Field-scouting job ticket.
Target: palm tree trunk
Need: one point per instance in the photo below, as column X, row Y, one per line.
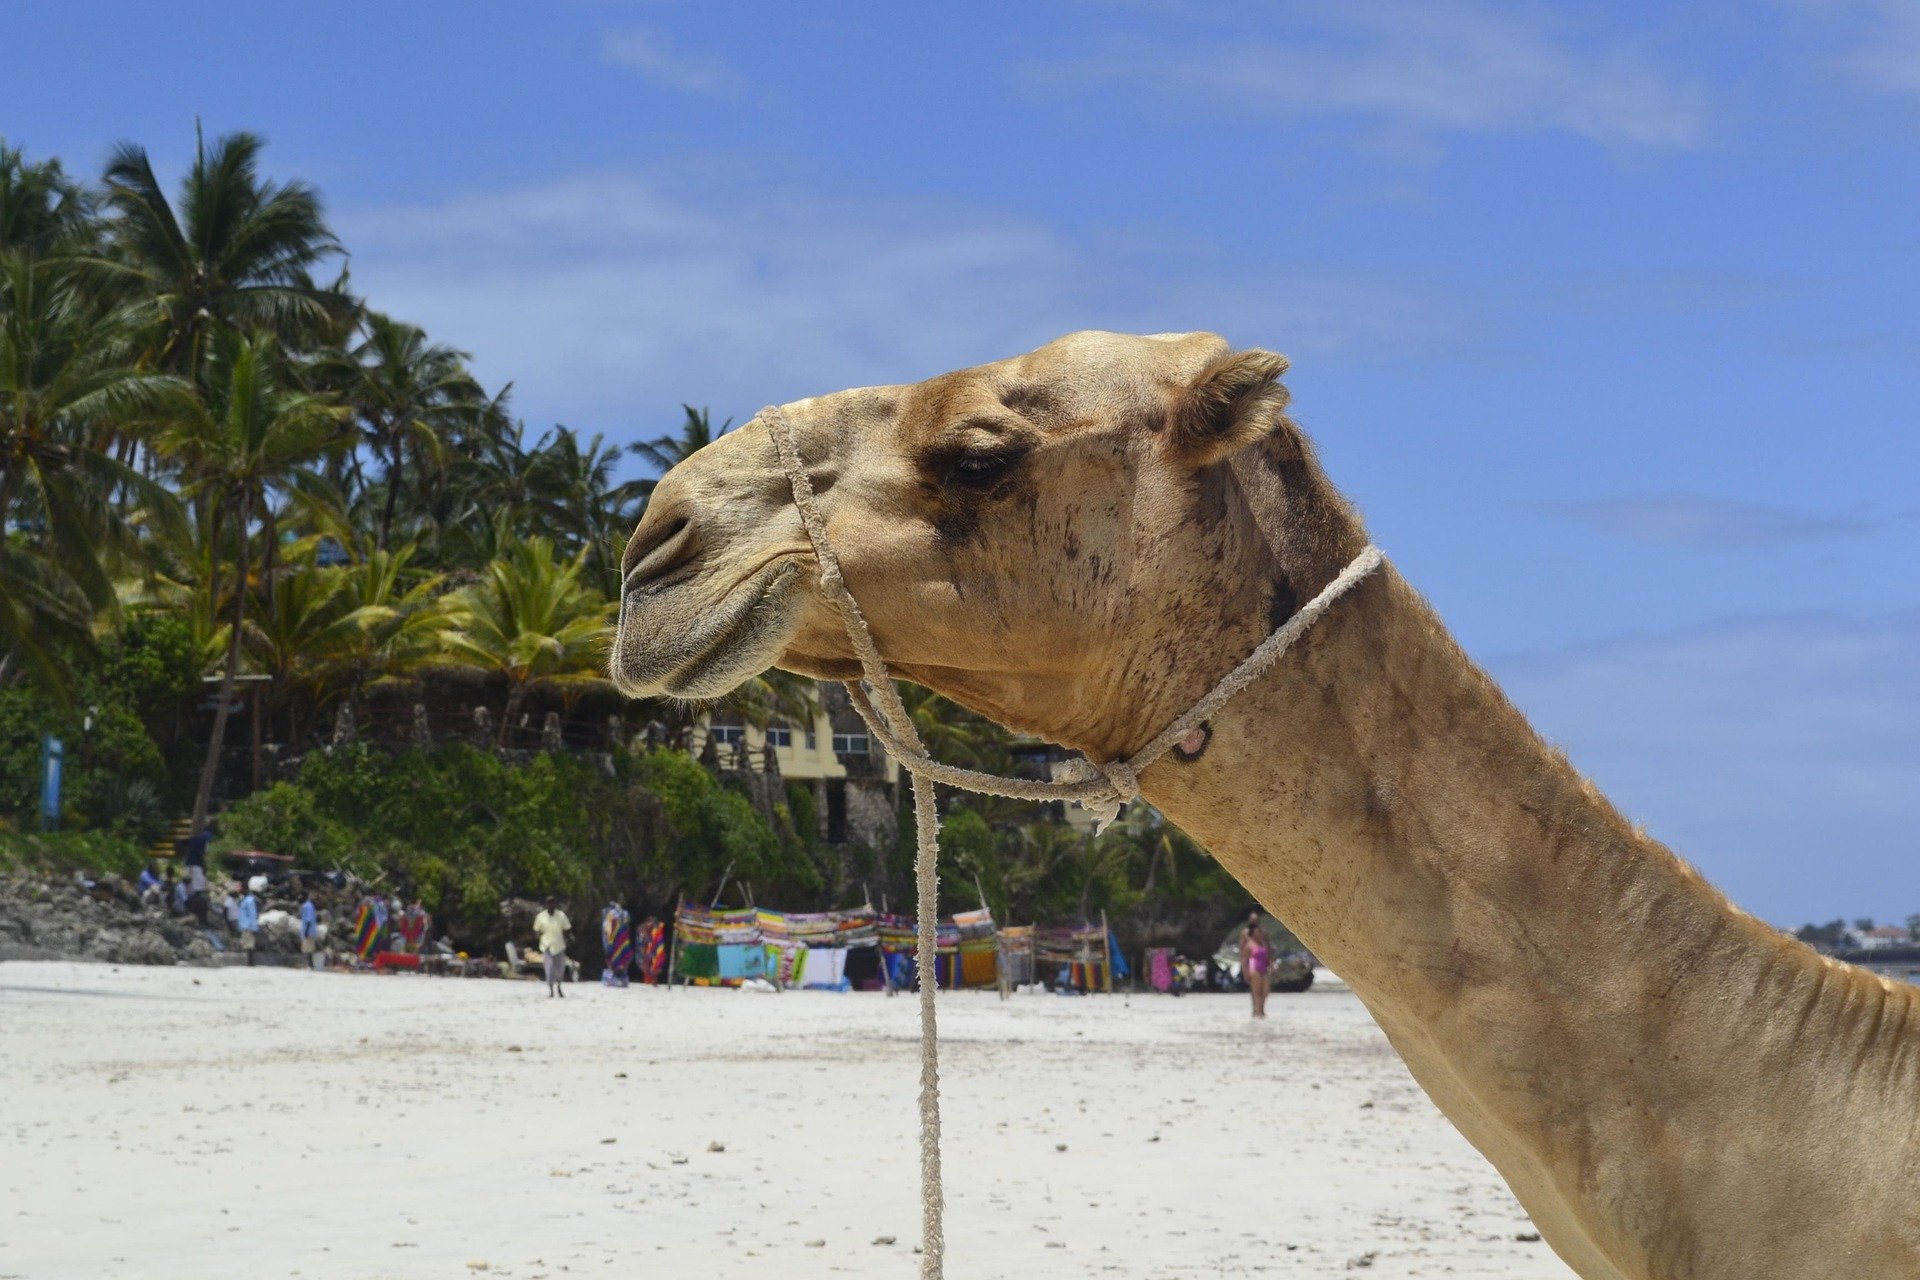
column 217, row 739
column 514, row 695
column 271, row 533
column 213, row 561
column 393, row 494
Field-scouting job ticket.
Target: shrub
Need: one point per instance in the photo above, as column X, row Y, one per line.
column 463, row 829
column 63, row 852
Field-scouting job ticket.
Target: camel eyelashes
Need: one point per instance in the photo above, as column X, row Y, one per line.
column 980, row 468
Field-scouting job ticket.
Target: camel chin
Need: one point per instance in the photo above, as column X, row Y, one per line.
column 678, row 645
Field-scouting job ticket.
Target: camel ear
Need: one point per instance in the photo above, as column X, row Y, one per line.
column 1233, row 402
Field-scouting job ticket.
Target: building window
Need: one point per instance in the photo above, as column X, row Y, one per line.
column 813, row 740
column 779, row 736
column 728, row 735
column 836, row 812
column 850, row 744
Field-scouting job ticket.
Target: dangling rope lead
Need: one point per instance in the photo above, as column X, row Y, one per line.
column 1102, row 789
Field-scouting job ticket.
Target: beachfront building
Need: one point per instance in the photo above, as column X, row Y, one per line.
column 854, row 781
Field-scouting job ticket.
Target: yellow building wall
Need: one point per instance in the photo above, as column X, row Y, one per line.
column 798, row 760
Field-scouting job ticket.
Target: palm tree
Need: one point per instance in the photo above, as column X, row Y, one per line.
column 42, row 212
column 67, row 392
column 298, row 639
column 250, row 434
column 43, row 621
column 579, row 498
column 409, row 398
column 668, row 452
column 234, row 256
column 397, row 627
column 952, row 733
column 533, row 620
column 486, row 489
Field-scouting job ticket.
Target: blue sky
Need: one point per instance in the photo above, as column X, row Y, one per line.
column 1606, row 315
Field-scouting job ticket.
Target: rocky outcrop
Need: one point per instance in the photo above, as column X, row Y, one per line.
column 104, row 920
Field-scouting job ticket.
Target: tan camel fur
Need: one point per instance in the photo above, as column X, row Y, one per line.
column 1080, row 541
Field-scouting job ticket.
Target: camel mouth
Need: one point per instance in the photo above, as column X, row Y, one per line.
column 669, row 644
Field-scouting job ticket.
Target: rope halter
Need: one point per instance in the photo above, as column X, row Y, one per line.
column 1101, row 788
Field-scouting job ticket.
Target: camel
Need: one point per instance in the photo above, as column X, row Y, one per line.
column 1078, row 542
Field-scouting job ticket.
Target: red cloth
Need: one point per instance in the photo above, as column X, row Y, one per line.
column 394, row 960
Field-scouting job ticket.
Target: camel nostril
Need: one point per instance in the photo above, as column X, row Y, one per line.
column 657, row 547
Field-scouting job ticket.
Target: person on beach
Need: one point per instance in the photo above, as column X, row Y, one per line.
column 149, row 884
column 616, row 937
column 551, row 926
column 230, row 907
column 310, row 930
column 246, row 918
column 1255, row 955
column 380, row 918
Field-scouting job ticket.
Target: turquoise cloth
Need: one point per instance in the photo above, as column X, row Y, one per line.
column 742, row 960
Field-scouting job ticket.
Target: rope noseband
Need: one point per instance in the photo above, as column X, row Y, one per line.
column 1103, row 789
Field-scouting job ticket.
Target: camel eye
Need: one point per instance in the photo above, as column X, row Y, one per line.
column 976, row 468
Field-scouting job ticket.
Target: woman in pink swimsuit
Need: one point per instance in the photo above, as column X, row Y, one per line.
column 1255, row 955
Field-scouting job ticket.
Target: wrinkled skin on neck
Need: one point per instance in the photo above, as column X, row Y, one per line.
column 1066, row 541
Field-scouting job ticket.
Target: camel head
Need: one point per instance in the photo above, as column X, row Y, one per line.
column 1075, row 542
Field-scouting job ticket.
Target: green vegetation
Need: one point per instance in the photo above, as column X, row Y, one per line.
column 62, row 852
column 233, row 490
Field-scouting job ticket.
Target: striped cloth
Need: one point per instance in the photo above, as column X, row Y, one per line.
column 366, row 932
column 616, row 936
column 653, row 952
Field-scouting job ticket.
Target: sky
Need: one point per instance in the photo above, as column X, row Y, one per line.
column 1608, row 317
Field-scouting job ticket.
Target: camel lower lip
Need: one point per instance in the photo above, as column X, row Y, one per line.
column 710, row 652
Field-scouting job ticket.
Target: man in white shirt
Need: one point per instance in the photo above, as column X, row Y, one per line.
column 551, row 926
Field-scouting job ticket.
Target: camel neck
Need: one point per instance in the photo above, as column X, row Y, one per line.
column 1385, row 800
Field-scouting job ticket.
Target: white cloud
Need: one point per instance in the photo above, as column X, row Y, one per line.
column 1696, row 522
column 1875, row 43
column 1780, row 754
column 1435, row 65
column 657, row 58
column 1887, row 55
column 609, row 298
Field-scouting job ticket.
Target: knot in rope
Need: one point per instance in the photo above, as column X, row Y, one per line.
column 1102, row 805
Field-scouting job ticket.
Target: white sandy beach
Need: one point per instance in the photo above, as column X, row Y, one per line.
column 204, row 1124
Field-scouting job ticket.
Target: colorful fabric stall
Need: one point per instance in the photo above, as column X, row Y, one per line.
column 740, row 961
column 788, row 948
column 715, row 947
column 809, row 949
column 966, row 950
column 826, row 969
column 616, row 940
column 653, row 952
column 1075, row 956
column 697, row 962
column 366, row 932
